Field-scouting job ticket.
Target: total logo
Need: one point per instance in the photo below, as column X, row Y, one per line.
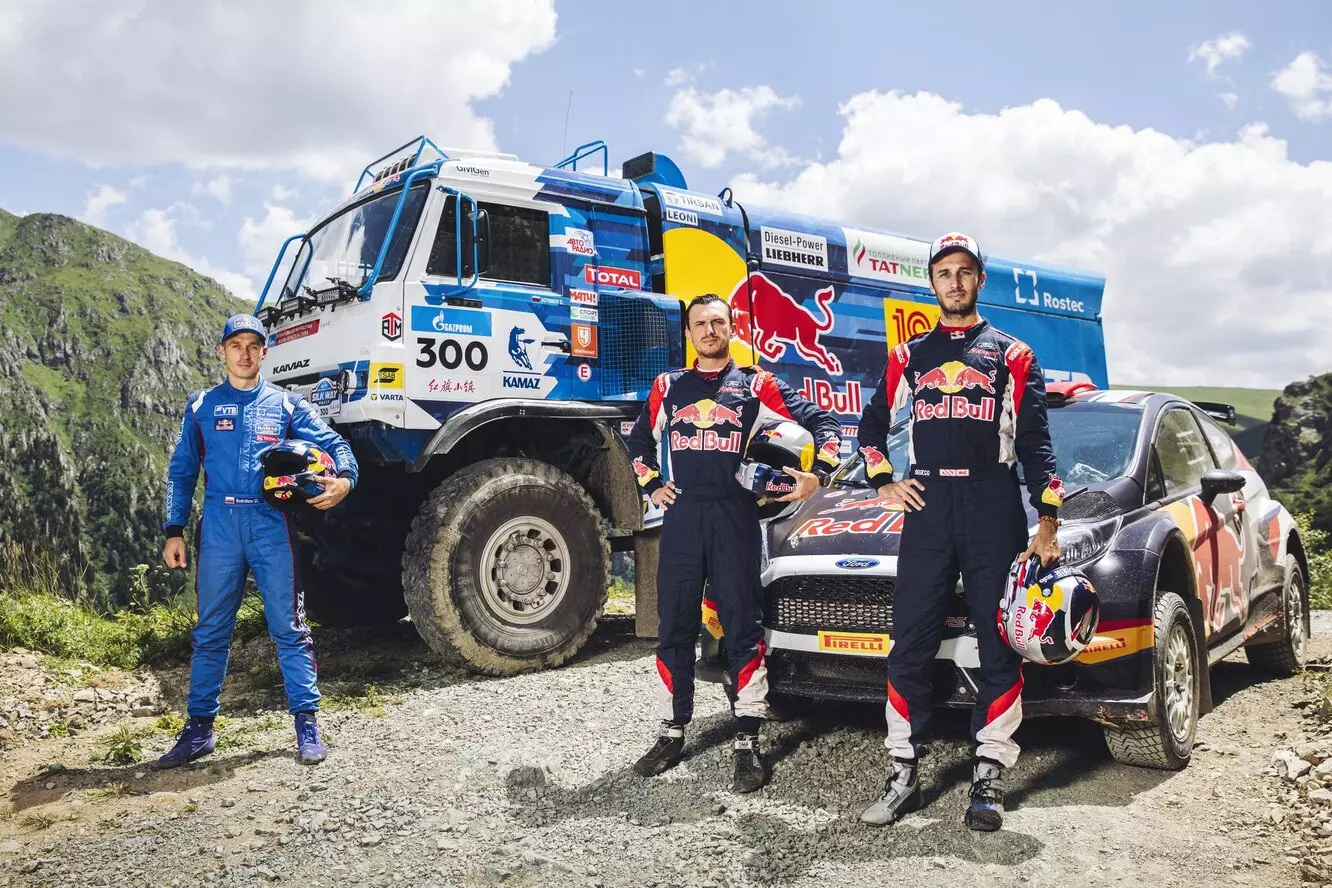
column 705, row 414
column 768, row 318
column 624, row 278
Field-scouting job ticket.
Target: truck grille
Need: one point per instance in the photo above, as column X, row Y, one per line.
column 639, row 341
column 841, row 604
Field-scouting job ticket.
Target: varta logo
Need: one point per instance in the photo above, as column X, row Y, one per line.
column 522, row 382
column 294, row 365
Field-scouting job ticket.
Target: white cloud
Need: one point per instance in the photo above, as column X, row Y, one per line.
column 1230, row 100
column 716, row 124
column 99, row 202
column 1220, row 49
column 218, row 188
column 1307, row 85
column 257, row 85
column 155, row 230
column 281, row 193
column 639, row 72
column 1216, row 255
column 677, row 76
column 260, row 238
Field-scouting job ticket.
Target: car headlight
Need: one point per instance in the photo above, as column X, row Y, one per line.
column 1083, row 542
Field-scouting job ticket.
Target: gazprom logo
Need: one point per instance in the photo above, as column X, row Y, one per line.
column 450, row 321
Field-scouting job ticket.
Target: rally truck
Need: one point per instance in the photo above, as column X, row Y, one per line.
column 484, row 332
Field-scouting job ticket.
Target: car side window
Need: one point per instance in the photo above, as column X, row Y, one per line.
column 1222, row 444
column 519, row 245
column 1182, row 451
column 1155, row 486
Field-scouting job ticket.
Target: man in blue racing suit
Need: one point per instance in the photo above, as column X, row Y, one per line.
column 224, row 432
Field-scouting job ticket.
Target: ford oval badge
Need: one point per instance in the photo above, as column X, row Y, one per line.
column 858, row 563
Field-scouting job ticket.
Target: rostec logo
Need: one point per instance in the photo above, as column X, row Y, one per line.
column 294, row 365
column 863, row 643
column 705, row 414
column 623, row 278
column 390, row 325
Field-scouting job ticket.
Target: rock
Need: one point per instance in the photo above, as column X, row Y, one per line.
column 28, row 662
column 85, row 695
column 29, row 866
column 11, row 847
column 371, row 839
column 255, row 787
column 228, row 802
column 1321, row 796
column 267, row 873
column 143, row 711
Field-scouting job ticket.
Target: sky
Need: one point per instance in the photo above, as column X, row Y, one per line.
column 1182, row 149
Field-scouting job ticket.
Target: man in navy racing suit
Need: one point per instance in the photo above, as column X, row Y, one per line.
column 977, row 401
column 707, row 415
column 224, row 432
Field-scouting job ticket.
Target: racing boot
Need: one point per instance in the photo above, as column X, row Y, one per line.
column 196, row 740
column 664, row 754
column 310, row 750
column 901, row 795
column 750, row 772
column 986, row 811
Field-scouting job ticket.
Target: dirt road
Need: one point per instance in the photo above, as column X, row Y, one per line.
column 437, row 778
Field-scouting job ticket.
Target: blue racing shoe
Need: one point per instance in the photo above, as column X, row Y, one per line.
column 310, row 750
column 195, row 741
column 986, row 811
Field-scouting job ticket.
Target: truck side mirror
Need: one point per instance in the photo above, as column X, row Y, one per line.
column 482, row 241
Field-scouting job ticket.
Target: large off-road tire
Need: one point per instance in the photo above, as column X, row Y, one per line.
column 1285, row 657
column 507, row 567
column 1168, row 744
column 341, row 598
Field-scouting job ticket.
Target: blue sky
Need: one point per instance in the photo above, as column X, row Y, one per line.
column 209, row 149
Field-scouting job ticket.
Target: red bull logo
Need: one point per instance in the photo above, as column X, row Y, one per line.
column 1054, row 492
column 875, row 462
column 643, row 472
column 1043, row 605
column 705, row 414
column 885, row 522
column 707, row 439
column 872, row 502
column 768, row 318
column 954, row 376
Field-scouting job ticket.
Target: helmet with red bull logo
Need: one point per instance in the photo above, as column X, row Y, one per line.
column 1048, row 616
column 775, row 447
column 290, row 469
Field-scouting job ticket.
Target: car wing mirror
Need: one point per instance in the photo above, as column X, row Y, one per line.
column 1218, row 481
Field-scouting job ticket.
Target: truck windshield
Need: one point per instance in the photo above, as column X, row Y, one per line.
column 345, row 247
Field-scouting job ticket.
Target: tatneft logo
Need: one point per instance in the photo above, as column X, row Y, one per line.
column 294, row 365
column 887, row 258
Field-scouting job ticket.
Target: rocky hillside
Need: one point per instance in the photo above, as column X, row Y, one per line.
column 1297, row 451
column 100, row 342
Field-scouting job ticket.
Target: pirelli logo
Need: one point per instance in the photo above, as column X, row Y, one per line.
column 863, row 643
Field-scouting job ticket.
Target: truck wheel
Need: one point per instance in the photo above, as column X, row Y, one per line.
column 1285, row 657
column 339, row 598
column 1169, row 743
column 506, row 568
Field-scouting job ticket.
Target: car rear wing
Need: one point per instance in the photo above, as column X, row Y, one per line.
column 1218, row 411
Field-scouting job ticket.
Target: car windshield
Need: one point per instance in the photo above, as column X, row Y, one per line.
column 346, row 246
column 1092, row 443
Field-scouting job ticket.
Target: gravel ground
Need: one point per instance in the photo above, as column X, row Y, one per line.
column 438, row 778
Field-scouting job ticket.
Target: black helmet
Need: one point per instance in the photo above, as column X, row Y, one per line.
column 290, row 469
column 774, row 448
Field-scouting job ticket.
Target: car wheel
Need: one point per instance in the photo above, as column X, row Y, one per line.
column 1168, row 744
column 1285, row 657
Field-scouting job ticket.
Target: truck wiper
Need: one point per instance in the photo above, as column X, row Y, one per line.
column 343, row 288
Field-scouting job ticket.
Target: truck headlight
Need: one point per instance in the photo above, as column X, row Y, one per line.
column 1083, row 542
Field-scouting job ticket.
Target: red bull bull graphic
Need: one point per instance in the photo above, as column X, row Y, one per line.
column 705, row 414
column 768, row 318
column 954, row 376
column 644, row 472
column 1037, row 615
column 1054, row 492
column 875, row 462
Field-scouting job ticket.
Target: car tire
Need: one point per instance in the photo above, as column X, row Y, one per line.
column 1285, row 657
column 1168, row 744
column 475, row 559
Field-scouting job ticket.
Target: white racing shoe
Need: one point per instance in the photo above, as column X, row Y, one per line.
column 901, row 795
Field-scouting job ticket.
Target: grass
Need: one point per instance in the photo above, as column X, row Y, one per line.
column 620, row 597
column 123, row 747
column 35, row 614
column 366, row 699
column 1320, row 562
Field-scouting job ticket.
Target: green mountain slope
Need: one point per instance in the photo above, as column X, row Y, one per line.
column 1253, row 409
column 100, row 342
column 1297, row 454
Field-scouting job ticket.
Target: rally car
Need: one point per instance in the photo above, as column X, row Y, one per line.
column 1189, row 554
